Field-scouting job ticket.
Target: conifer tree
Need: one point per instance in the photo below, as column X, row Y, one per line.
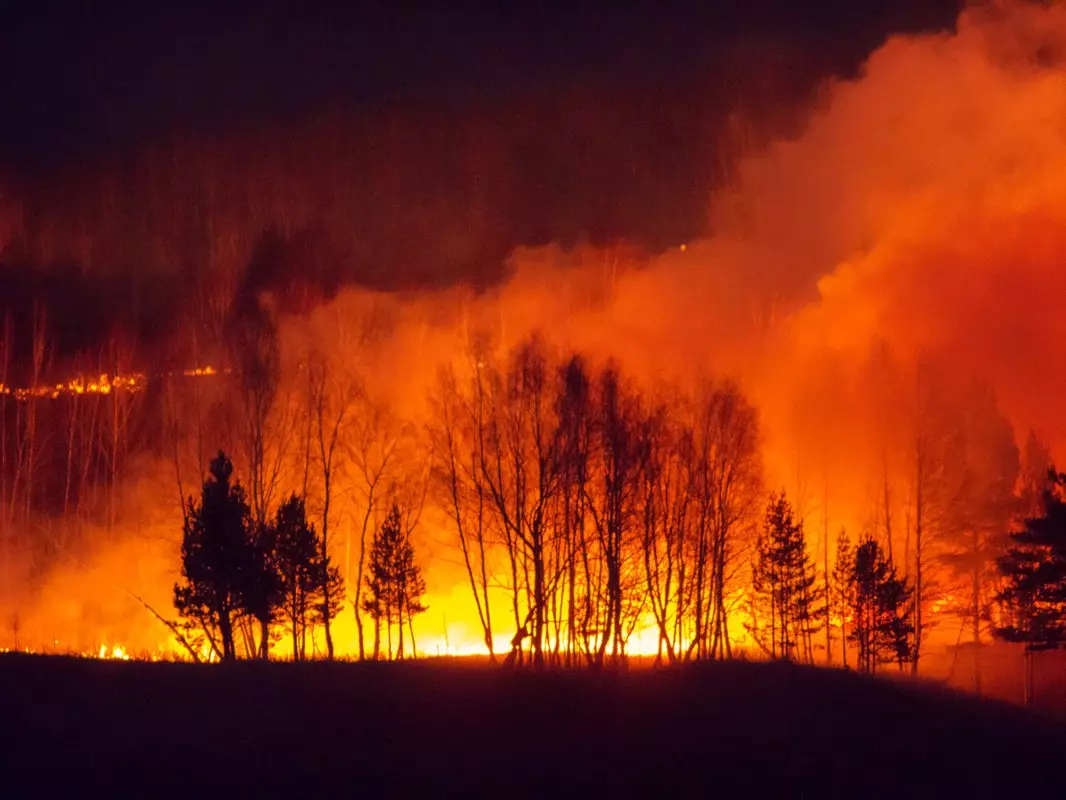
column 1032, row 598
column 218, row 560
column 303, row 571
column 295, row 554
column 394, row 583
column 843, row 589
column 261, row 591
column 787, row 603
column 881, row 610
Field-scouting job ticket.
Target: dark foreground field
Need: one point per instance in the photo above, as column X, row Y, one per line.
column 91, row 728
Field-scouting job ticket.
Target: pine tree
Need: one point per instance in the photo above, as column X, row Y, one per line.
column 295, row 553
column 1032, row 599
column 881, row 609
column 303, row 571
column 330, row 589
column 218, row 560
column 787, row 603
column 394, row 582
column 843, row 589
column 261, row 590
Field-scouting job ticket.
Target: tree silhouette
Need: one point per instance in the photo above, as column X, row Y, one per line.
column 261, row 591
column 785, row 594
column 296, row 556
column 394, row 583
column 1032, row 600
column 881, row 610
column 984, row 468
column 843, row 589
column 218, row 558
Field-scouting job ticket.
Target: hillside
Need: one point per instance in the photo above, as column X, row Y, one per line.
column 133, row 729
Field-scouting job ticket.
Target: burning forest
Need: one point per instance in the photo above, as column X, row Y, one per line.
column 366, row 388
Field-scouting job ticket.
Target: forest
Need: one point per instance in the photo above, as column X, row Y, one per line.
column 591, row 513
column 803, row 414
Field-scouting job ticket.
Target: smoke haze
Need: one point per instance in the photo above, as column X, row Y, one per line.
column 917, row 217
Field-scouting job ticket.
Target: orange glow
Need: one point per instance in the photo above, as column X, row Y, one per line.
column 921, row 214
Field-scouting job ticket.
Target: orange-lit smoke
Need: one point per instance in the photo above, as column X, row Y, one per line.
column 923, row 210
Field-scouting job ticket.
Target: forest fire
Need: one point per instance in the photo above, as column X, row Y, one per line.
column 101, row 384
column 605, row 454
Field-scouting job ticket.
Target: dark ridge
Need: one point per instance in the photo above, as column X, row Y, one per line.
column 454, row 727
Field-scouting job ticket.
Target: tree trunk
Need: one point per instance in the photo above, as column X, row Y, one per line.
column 538, row 600
column 225, row 628
column 325, row 572
column 975, row 611
column 264, row 641
column 917, row 589
column 1028, row 679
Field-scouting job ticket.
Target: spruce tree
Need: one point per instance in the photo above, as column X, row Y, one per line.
column 217, row 560
column 843, row 589
column 394, row 583
column 881, row 609
column 295, row 553
column 1032, row 598
column 787, row 603
column 261, row 591
column 303, row 572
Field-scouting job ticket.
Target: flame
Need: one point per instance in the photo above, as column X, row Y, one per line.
column 101, row 384
column 116, row 652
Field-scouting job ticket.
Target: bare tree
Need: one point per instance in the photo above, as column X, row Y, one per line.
column 455, row 436
column 931, row 440
column 265, row 427
column 728, row 484
column 985, row 471
column 611, row 495
column 371, row 446
column 331, row 402
column 521, row 471
column 117, row 366
column 6, row 346
column 666, row 498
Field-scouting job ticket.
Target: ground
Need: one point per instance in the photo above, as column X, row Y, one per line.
column 97, row 728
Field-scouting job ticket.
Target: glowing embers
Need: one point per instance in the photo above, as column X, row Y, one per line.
column 199, row 372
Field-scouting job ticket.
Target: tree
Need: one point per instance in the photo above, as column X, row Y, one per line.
column 394, row 582
column 785, row 594
column 727, row 477
column 456, row 441
column 666, row 497
column 218, row 557
column 985, row 467
column 303, row 571
column 372, row 450
column 881, row 609
column 932, row 442
column 261, row 592
column 843, row 589
column 330, row 402
column 1037, row 477
column 521, row 468
column 1032, row 598
column 610, row 498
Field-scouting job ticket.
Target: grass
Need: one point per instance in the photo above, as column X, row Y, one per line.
column 432, row 728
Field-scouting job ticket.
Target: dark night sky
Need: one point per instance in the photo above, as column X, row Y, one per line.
column 444, row 138
column 84, row 77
